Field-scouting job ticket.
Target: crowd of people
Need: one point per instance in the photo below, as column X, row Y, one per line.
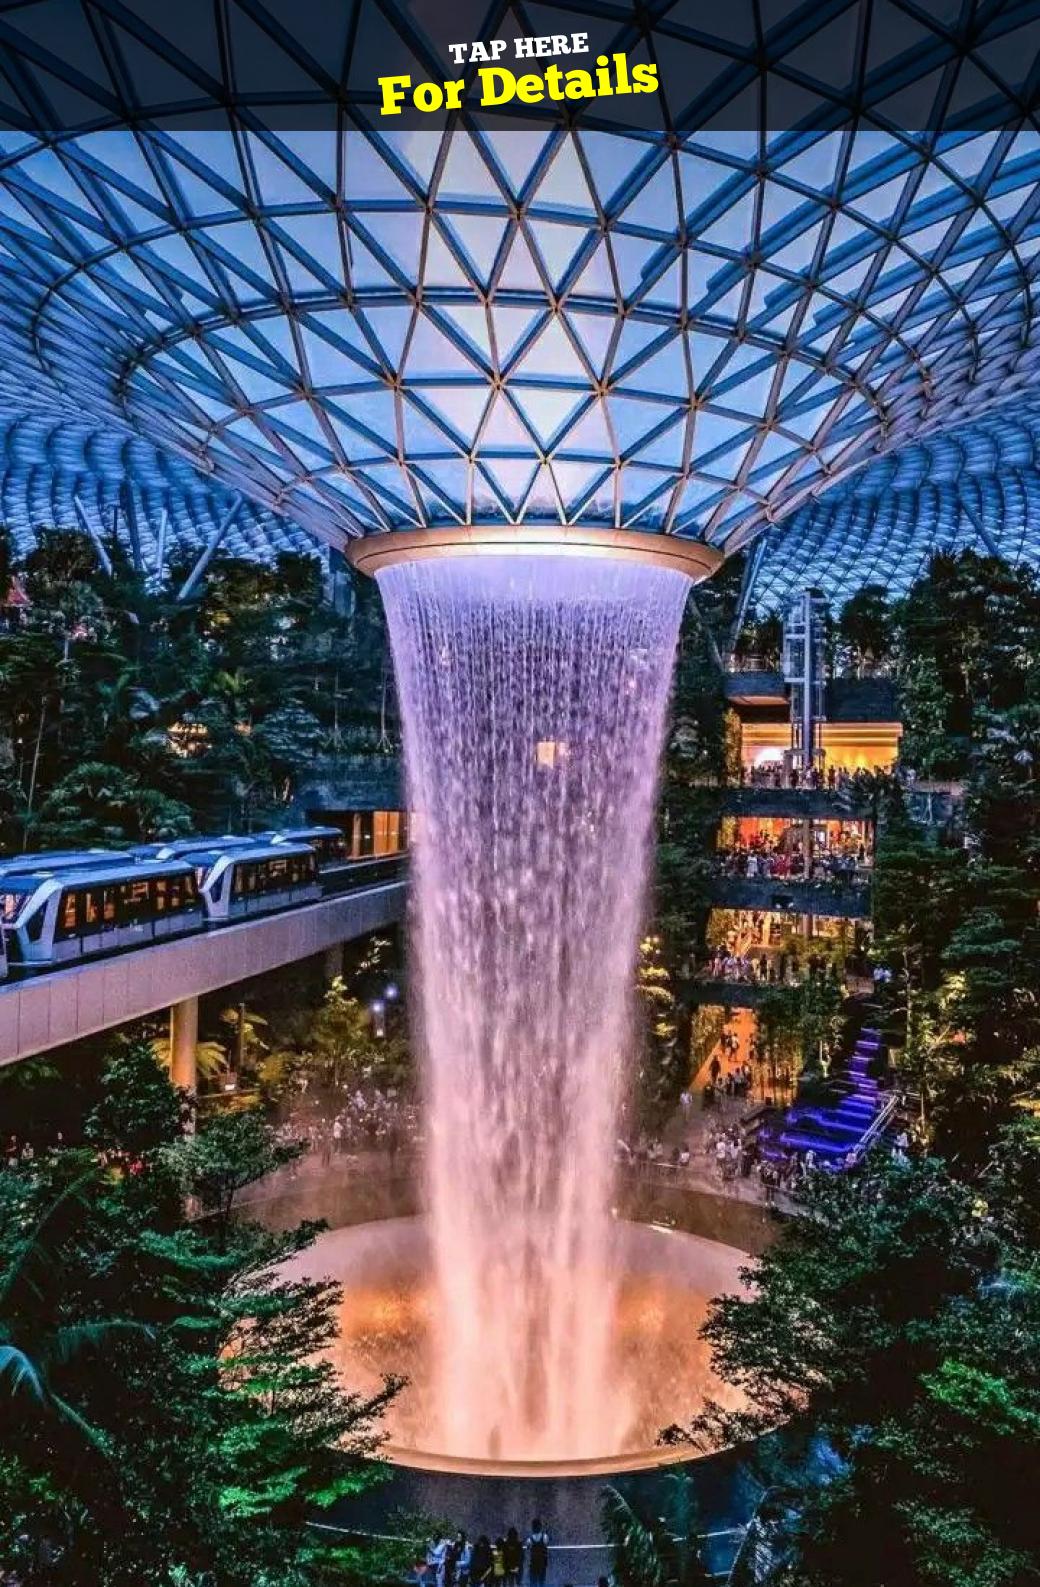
column 763, row 968
column 339, row 1124
column 21, row 1153
column 506, row 1561
column 761, row 860
column 830, row 779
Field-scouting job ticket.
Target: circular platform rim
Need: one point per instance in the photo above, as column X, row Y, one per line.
column 369, row 554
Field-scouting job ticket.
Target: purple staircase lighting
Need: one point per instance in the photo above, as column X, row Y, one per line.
column 832, row 1128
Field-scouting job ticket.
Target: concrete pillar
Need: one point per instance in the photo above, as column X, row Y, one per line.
column 184, row 1038
column 333, row 962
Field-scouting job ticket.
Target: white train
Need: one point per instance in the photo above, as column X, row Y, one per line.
column 59, row 907
column 55, row 916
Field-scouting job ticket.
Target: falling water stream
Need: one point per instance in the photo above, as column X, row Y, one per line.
column 533, row 692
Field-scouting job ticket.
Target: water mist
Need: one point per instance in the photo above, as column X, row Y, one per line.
column 533, row 692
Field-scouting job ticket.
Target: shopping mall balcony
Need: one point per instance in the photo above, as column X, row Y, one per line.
column 843, row 898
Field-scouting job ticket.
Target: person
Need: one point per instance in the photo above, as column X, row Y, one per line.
column 481, row 1562
column 537, row 1554
column 715, row 1069
column 337, row 1134
column 462, row 1551
column 498, row 1562
column 436, row 1549
column 514, row 1558
column 444, row 1560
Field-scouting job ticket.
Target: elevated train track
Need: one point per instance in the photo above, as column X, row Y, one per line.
column 49, row 1006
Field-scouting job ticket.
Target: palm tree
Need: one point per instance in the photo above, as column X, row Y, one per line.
column 36, row 1345
column 656, row 1551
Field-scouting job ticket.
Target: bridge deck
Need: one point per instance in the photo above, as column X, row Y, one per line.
column 63, row 1005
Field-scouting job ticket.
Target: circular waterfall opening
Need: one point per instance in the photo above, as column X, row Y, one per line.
column 660, row 1284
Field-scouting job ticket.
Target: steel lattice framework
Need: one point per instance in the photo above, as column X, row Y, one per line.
column 697, row 332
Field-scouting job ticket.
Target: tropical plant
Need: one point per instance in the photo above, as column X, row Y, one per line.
column 175, row 1417
column 656, row 1550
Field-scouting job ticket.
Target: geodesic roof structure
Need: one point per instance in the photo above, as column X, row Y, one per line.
column 696, row 331
column 68, row 473
column 976, row 487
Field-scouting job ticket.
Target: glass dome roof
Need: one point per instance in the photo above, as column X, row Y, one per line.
column 977, row 486
column 698, row 331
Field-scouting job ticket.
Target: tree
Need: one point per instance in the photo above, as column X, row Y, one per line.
column 665, row 1067
column 924, row 705
column 181, row 1355
column 918, row 893
column 105, row 672
column 138, row 1109
column 662, row 1550
column 41, row 1343
column 233, row 1150
column 779, row 1019
column 821, row 1022
column 865, row 626
column 98, row 801
column 342, row 1043
column 896, row 1318
column 6, row 562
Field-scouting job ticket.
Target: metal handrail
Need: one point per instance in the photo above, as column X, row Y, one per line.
column 877, row 1124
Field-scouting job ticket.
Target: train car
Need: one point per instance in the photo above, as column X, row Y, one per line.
column 255, row 880
column 177, row 848
column 55, row 917
column 328, row 843
column 61, row 860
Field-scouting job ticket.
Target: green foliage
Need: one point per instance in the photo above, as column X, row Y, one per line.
column 865, row 626
column 342, row 1047
column 924, row 707
column 172, row 1415
column 655, row 1550
column 918, row 893
column 897, row 1317
column 821, row 1022
column 138, row 1109
column 967, row 645
column 665, row 1067
column 233, row 1150
column 127, row 714
column 696, row 758
column 98, row 802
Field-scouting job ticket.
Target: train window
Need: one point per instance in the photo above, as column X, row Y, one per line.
column 10, row 904
column 67, row 915
column 110, row 907
column 244, row 881
column 91, row 909
column 191, row 889
column 160, row 895
column 136, row 901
